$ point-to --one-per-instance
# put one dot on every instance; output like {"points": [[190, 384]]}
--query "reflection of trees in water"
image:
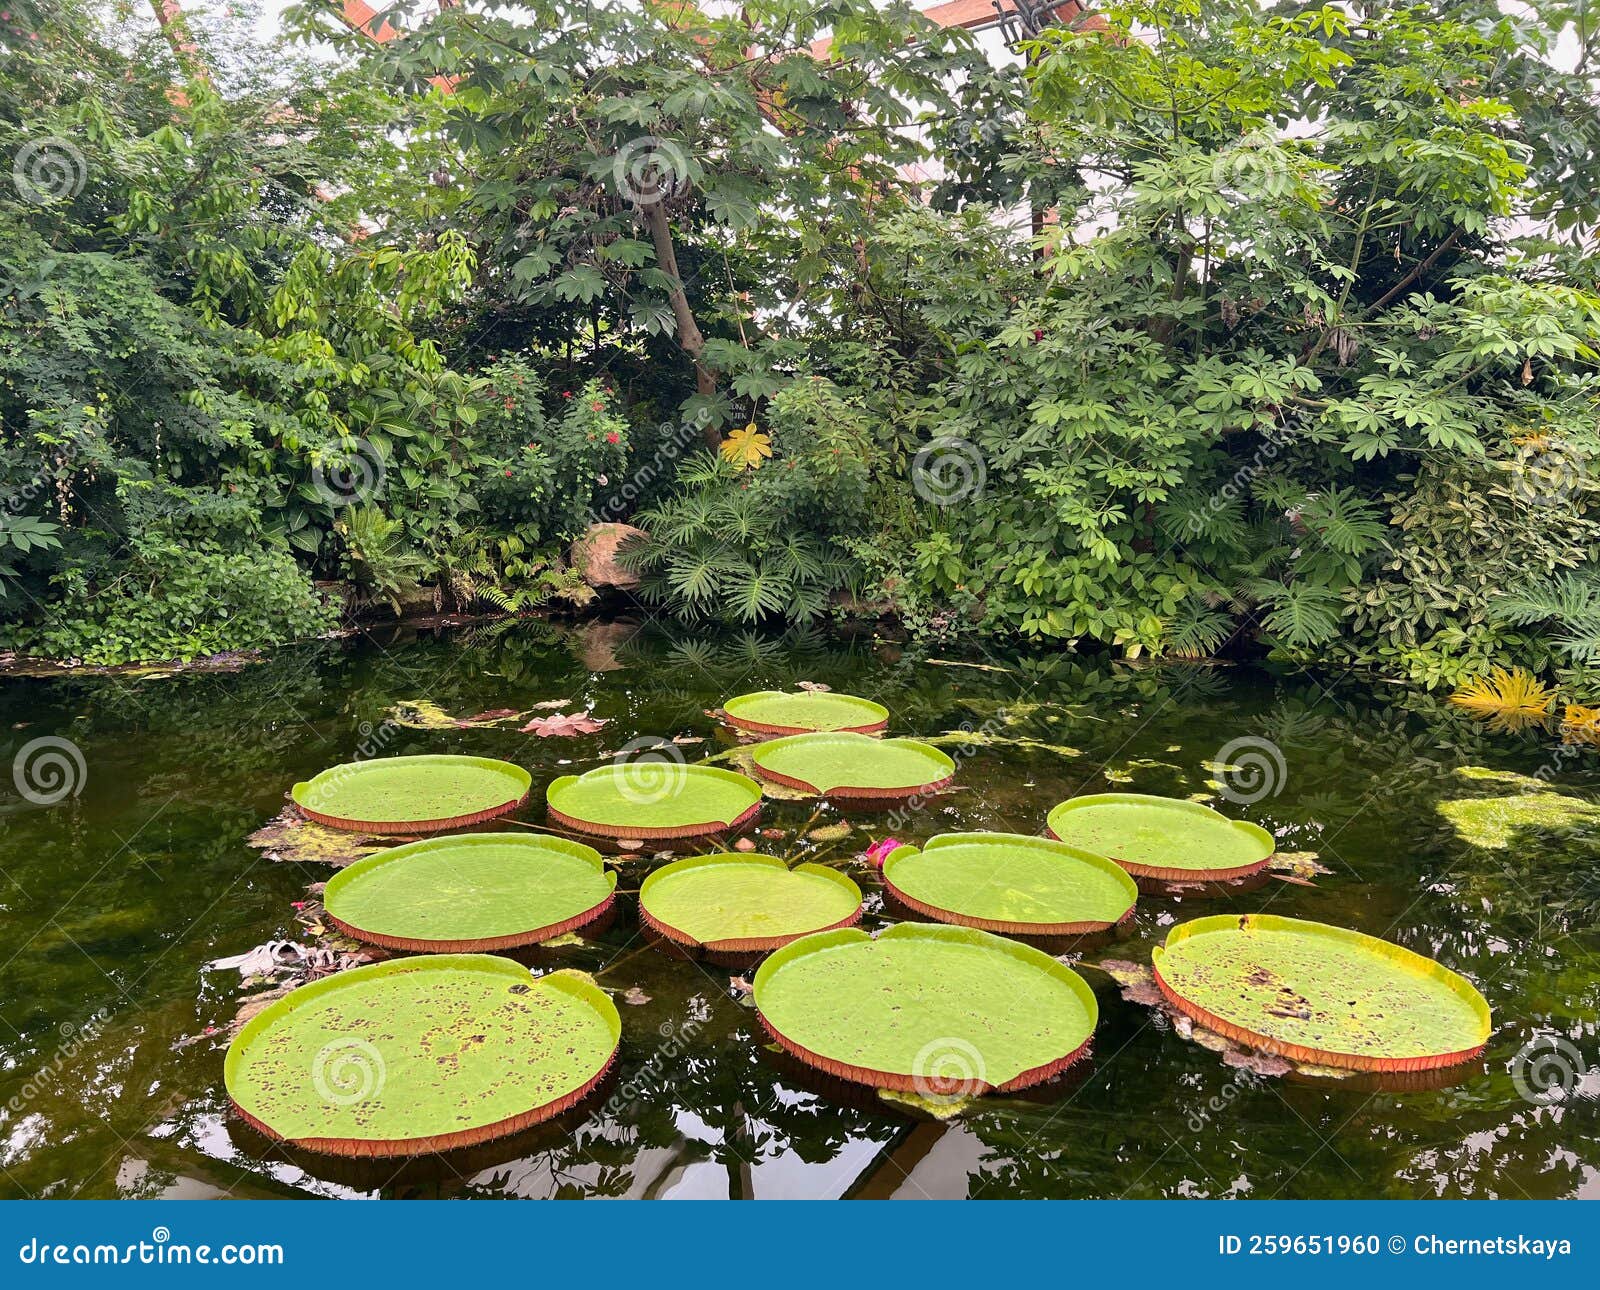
{"points": [[180, 770]]}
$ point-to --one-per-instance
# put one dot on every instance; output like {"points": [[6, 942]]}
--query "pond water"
{"points": [[113, 901]]}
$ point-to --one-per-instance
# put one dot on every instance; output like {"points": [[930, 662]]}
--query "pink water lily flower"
{"points": [[879, 851]]}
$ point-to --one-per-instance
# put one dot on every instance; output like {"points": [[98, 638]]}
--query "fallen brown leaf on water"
{"points": [[549, 705], [813, 686], [744, 844], [770, 833], [562, 725], [831, 832], [1257, 1063], [484, 718], [1302, 864], [424, 714], [634, 995], [289, 836], [739, 985], [630, 844]]}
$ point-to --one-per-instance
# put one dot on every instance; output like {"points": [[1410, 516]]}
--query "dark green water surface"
{"points": [[114, 900]]}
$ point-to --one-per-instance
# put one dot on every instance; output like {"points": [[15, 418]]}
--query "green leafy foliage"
{"points": [[1297, 353]]}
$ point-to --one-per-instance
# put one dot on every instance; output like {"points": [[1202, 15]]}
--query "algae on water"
{"points": [[1495, 822]]}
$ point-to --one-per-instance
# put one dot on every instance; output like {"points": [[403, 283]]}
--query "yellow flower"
{"points": [[1506, 700], [746, 448]]}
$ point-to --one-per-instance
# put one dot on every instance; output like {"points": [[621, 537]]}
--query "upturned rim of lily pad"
{"points": [[1178, 806], [743, 711], [643, 798], [935, 935], [678, 869], [369, 868], [903, 856], [578, 988], [1383, 952], [518, 783], [939, 771]]}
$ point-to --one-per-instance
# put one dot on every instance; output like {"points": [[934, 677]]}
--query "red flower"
{"points": [[508, 474], [566, 394], [878, 851], [1038, 334], [598, 406], [613, 437]]}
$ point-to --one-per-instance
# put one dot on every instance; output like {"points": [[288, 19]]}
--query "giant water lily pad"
{"points": [[421, 1054], [480, 891], [775, 712], [938, 1011], [843, 764], [1315, 993], [1006, 882], [1163, 837], [745, 902], [654, 799], [425, 794]]}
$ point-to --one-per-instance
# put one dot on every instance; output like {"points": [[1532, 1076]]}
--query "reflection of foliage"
{"points": [[1367, 770]]}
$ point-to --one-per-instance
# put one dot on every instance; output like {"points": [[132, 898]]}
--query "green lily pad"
{"points": [[745, 902], [939, 1011], [776, 712], [842, 764], [479, 891], [421, 1054], [654, 799], [1006, 882], [425, 794], [1163, 837], [1314, 993]]}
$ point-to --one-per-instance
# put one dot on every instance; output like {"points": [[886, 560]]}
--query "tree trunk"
{"points": [[689, 338]]}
